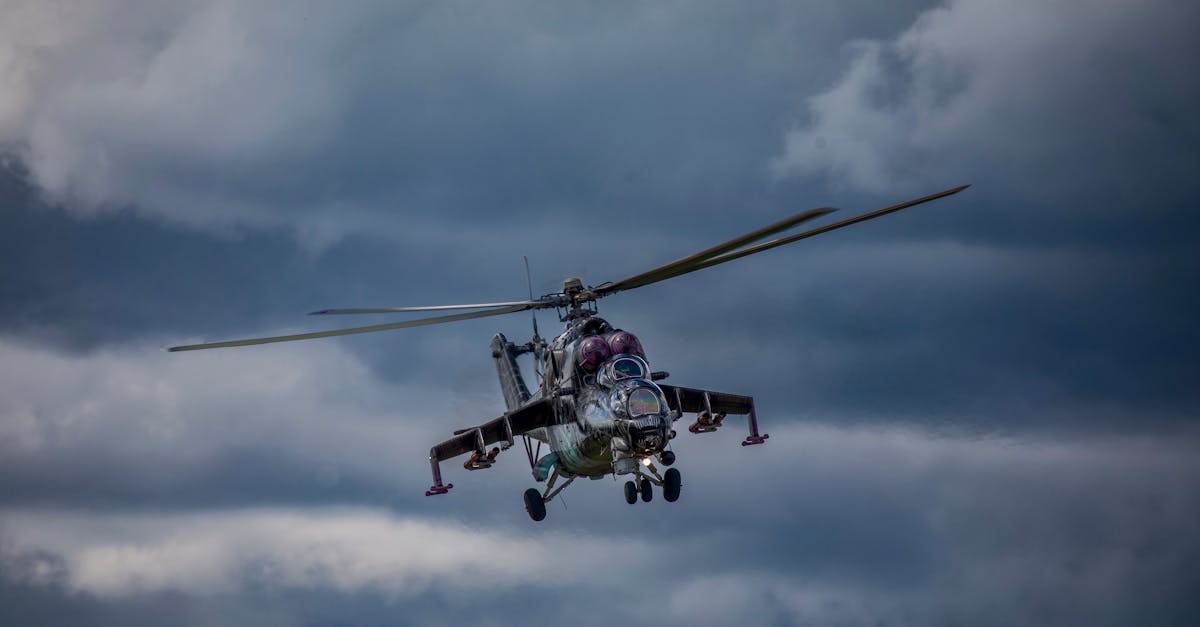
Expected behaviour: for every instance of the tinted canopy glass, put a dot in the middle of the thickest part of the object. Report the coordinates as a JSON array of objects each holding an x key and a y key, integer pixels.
[
  {"x": 628, "y": 369},
  {"x": 643, "y": 402}
]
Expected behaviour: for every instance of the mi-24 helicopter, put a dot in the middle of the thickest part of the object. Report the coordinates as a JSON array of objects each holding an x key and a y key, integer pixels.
[{"x": 598, "y": 406}]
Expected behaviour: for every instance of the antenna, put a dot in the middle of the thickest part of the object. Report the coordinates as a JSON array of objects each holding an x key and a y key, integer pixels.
[
  {"x": 529, "y": 284},
  {"x": 537, "y": 339}
]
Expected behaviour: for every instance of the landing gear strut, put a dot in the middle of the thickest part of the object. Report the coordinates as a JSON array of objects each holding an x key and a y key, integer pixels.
[
  {"x": 535, "y": 502},
  {"x": 643, "y": 485}
]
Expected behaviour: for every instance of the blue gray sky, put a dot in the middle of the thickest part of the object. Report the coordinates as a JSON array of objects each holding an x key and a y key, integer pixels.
[{"x": 983, "y": 410}]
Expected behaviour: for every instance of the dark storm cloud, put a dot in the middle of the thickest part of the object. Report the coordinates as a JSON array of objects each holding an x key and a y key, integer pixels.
[
  {"x": 875, "y": 525},
  {"x": 822, "y": 524},
  {"x": 1055, "y": 291},
  {"x": 943, "y": 334},
  {"x": 239, "y": 166},
  {"x": 918, "y": 329},
  {"x": 222, "y": 114},
  {"x": 565, "y": 119},
  {"x": 1078, "y": 129},
  {"x": 134, "y": 428}
]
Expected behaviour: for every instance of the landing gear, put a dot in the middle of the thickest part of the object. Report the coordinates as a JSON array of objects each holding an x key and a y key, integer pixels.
[
  {"x": 671, "y": 484},
  {"x": 667, "y": 458},
  {"x": 535, "y": 505},
  {"x": 643, "y": 483},
  {"x": 535, "y": 502}
]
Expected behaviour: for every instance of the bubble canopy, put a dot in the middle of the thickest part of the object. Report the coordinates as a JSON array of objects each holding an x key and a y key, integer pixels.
[
  {"x": 636, "y": 398},
  {"x": 628, "y": 369},
  {"x": 642, "y": 402},
  {"x": 623, "y": 368}
]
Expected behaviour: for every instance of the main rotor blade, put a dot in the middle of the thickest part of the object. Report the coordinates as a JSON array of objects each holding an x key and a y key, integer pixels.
[
  {"x": 376, "y": 327},
  {"x": 767, "y": 245},
  {"x": 671, "y": 269},
  {"x": 700, "y": 261},
  {"x": 371, "y": 310},
  {"x": 758, "y": 248}
]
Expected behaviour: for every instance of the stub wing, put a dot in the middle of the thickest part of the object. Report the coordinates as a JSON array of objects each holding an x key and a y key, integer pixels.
[
  {"x": 711, "y": 408},
  {"x": 535, "y": 415},
  {"x": 520, "y": 421}
]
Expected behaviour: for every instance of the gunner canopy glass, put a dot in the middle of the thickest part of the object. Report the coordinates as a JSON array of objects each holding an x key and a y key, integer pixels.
[
  {"x": 643, "y": 402},
  {"x": 628, "y": 369}
]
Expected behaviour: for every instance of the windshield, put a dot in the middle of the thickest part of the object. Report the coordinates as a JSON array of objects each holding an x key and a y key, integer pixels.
[
  {"x": 622, "y": 368},
  {"x": 642, "y": 402},
  {"x": 628, "y": 369}
]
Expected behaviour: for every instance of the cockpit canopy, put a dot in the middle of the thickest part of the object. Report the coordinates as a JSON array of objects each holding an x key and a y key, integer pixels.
[
  {"x": 643, "y": 402},
  {"x": 622, "y": 368},
  {"x": 636, "y": 398}
]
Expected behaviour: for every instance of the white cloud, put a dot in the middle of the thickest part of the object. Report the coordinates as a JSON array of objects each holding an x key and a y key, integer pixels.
[
  {"x": 347, "y": 550},
  {"x": 161, "y": 107},
  {"x": 1031, "y": 91},
  {"x": 823, "y": 524},
  {"x": 182, "y": 411},
  {"x": 388, "y": 116}
]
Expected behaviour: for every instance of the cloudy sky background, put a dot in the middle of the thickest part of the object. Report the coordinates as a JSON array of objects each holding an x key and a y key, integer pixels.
[{"x": 983, "y": 411}]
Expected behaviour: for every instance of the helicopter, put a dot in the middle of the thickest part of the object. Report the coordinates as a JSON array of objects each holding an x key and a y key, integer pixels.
[{"x": 598, "y": 406}]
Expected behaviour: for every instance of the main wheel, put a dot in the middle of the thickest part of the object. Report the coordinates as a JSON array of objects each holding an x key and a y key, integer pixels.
[
  {"x": 647, "y": 490},
  {"x": 534, "y": 504},
  {"x": 671, "y": 483},
  {"x": 631, "y": 492}
]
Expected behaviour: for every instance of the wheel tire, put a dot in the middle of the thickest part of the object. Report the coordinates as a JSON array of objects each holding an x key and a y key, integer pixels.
[
  {"x": 671, "y": 483},
  {"x": 631, "y": 492},
  {"x": 534, "y": 504},
  {"x": 667, "y": 458},
  {"x": 647, "y": 490}
]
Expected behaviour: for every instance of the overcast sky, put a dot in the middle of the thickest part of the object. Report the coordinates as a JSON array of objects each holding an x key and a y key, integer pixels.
[{"x": 982, "y": 411}]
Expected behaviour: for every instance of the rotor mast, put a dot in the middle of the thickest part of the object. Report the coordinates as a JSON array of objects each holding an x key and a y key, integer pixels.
[{"x": 576, "y": 300}]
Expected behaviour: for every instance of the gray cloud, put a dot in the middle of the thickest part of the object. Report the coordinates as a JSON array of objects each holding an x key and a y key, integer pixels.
[
  {"x": 981, "y": 409},
  {"x": 388, "y": 119},
  {"x": 347, "y": 551},
  {"x": 823, "y": 524},
  {"x": 141, "y": 428},
  {"x": 873, "y": 525},
  {"x": 1062, "y": 101}
]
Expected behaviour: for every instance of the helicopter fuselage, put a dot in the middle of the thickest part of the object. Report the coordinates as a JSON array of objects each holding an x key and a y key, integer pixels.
[{"x": 609, "y": 414}]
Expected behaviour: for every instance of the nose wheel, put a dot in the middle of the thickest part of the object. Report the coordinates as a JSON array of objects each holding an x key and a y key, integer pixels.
[{"x": 643, "y": 487}]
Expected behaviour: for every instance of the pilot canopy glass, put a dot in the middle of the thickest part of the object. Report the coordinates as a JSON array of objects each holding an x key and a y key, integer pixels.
[{"x": 643, "y": 402}]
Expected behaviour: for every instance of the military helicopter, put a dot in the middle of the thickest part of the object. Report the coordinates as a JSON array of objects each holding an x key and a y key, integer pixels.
[{"x": 598, "y": 406}]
